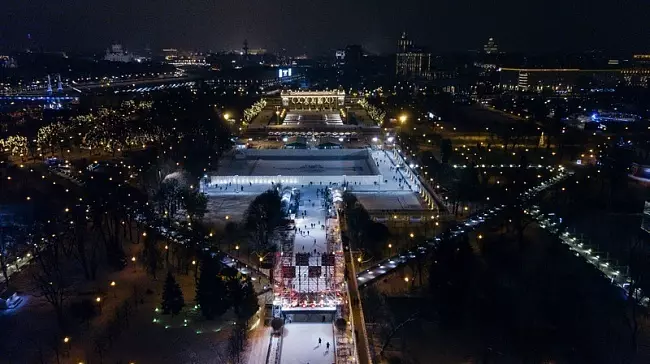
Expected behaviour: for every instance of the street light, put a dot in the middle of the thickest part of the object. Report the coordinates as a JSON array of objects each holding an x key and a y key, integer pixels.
[{"x": 403, "y": 118}]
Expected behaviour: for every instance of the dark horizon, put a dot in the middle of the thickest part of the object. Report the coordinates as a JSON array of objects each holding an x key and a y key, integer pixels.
[{"x": 301, "y": 27}]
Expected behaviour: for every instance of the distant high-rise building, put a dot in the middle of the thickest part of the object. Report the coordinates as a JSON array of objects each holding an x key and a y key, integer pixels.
[
  {"x": 7, "y": 62},
  {"x": 404, "y": 44},
  {"x": 491, "y": 47},
  {"x": 411, "y": 62},
  {"x": 245, "y": 49},
  {"x": 353, "y": 55}
]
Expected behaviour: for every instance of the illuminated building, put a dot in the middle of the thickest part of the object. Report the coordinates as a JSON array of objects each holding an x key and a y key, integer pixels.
[
  {"x": 566, "y": 80},
  {"x": 180, "y": 58},
  {"x": 259, "y": 78},
  {"x": 490, "y": 47},
  {"x": 117, "y": 54},
  {"x": 411, "y": 62}
]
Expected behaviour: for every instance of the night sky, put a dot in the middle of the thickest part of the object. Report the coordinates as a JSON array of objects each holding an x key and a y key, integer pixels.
[{"x": 318, "y": 26}]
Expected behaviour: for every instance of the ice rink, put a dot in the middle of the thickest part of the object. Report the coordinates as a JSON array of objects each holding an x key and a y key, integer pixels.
[
  {"x": 300, "y": 344},
  {"x": 310, "y": 238},
  {"x": 389, "y": 200},
  {"x": 393, "y": 192}
]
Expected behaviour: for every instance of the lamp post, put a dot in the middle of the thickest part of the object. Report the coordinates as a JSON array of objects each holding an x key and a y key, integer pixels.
[
  {"x": 237, "y": 251},
  {"x": 66, "y": 342}
]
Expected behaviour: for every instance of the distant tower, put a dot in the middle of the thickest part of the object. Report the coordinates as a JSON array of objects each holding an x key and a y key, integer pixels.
[
  {"x": 542, "y": 141},
  {"x": 404, "y": 44},
  {"x": 491, "y": 47},
  {"x": 49, "y": 84},
  {"x": 245, "y": 48},
  {"x": 59, "y": 85}
]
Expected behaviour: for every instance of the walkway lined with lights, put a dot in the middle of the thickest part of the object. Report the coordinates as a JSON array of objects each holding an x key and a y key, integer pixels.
[
  {"x": 389, "y": 265},
  {"x": 550, "y": 224}
]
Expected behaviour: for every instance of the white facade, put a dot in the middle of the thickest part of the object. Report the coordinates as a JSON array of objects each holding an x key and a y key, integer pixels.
[{"x": 117, "y": 54}]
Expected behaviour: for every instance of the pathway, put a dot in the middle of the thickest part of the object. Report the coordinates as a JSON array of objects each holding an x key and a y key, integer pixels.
[{"x": 389, "y": 265}]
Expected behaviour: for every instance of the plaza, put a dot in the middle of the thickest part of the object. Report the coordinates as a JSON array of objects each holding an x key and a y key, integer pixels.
[{"x": 309, "y": 289}]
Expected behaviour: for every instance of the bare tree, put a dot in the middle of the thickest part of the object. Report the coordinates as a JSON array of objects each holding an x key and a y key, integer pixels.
[
  {"x": 237, "y": 344},
  {"x": 10, "y": 238},
  {"x": 639, "y": 286},
  {"x": 263, "y": 217},
  {"x": 49, "y": 279},
  {"x": 82, "y": 249}
]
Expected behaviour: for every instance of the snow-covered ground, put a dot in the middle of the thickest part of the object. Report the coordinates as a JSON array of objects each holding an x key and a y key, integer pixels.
[
  {"x": 258, "y": 345},
  {"x": 393, "y": 200},
  {"x": 232, "y": 200},
  {"x": 296, "y": 167},
  {"x": 300, "y": 344}
]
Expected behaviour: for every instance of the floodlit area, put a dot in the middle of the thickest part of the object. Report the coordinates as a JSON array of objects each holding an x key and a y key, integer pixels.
[
  {"x": 312, "y": 282},
  {"x": 311, "y": 118},
  {"x": 273, "y": 163},
  {"x": 300, "y": 344},
  {"x": 303, "y": 167},
  {"x": 374, "y": 175}
]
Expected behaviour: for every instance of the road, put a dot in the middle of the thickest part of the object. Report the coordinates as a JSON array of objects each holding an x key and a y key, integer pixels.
[{"x": 358, "y": 321}]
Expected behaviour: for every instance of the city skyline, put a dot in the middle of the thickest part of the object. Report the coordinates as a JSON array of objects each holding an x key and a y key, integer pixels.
[{"x": 301, "y": 27}]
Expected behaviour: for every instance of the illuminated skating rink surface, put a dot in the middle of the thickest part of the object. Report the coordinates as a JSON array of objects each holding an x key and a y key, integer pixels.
[{"x": 300, "y": 344}]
